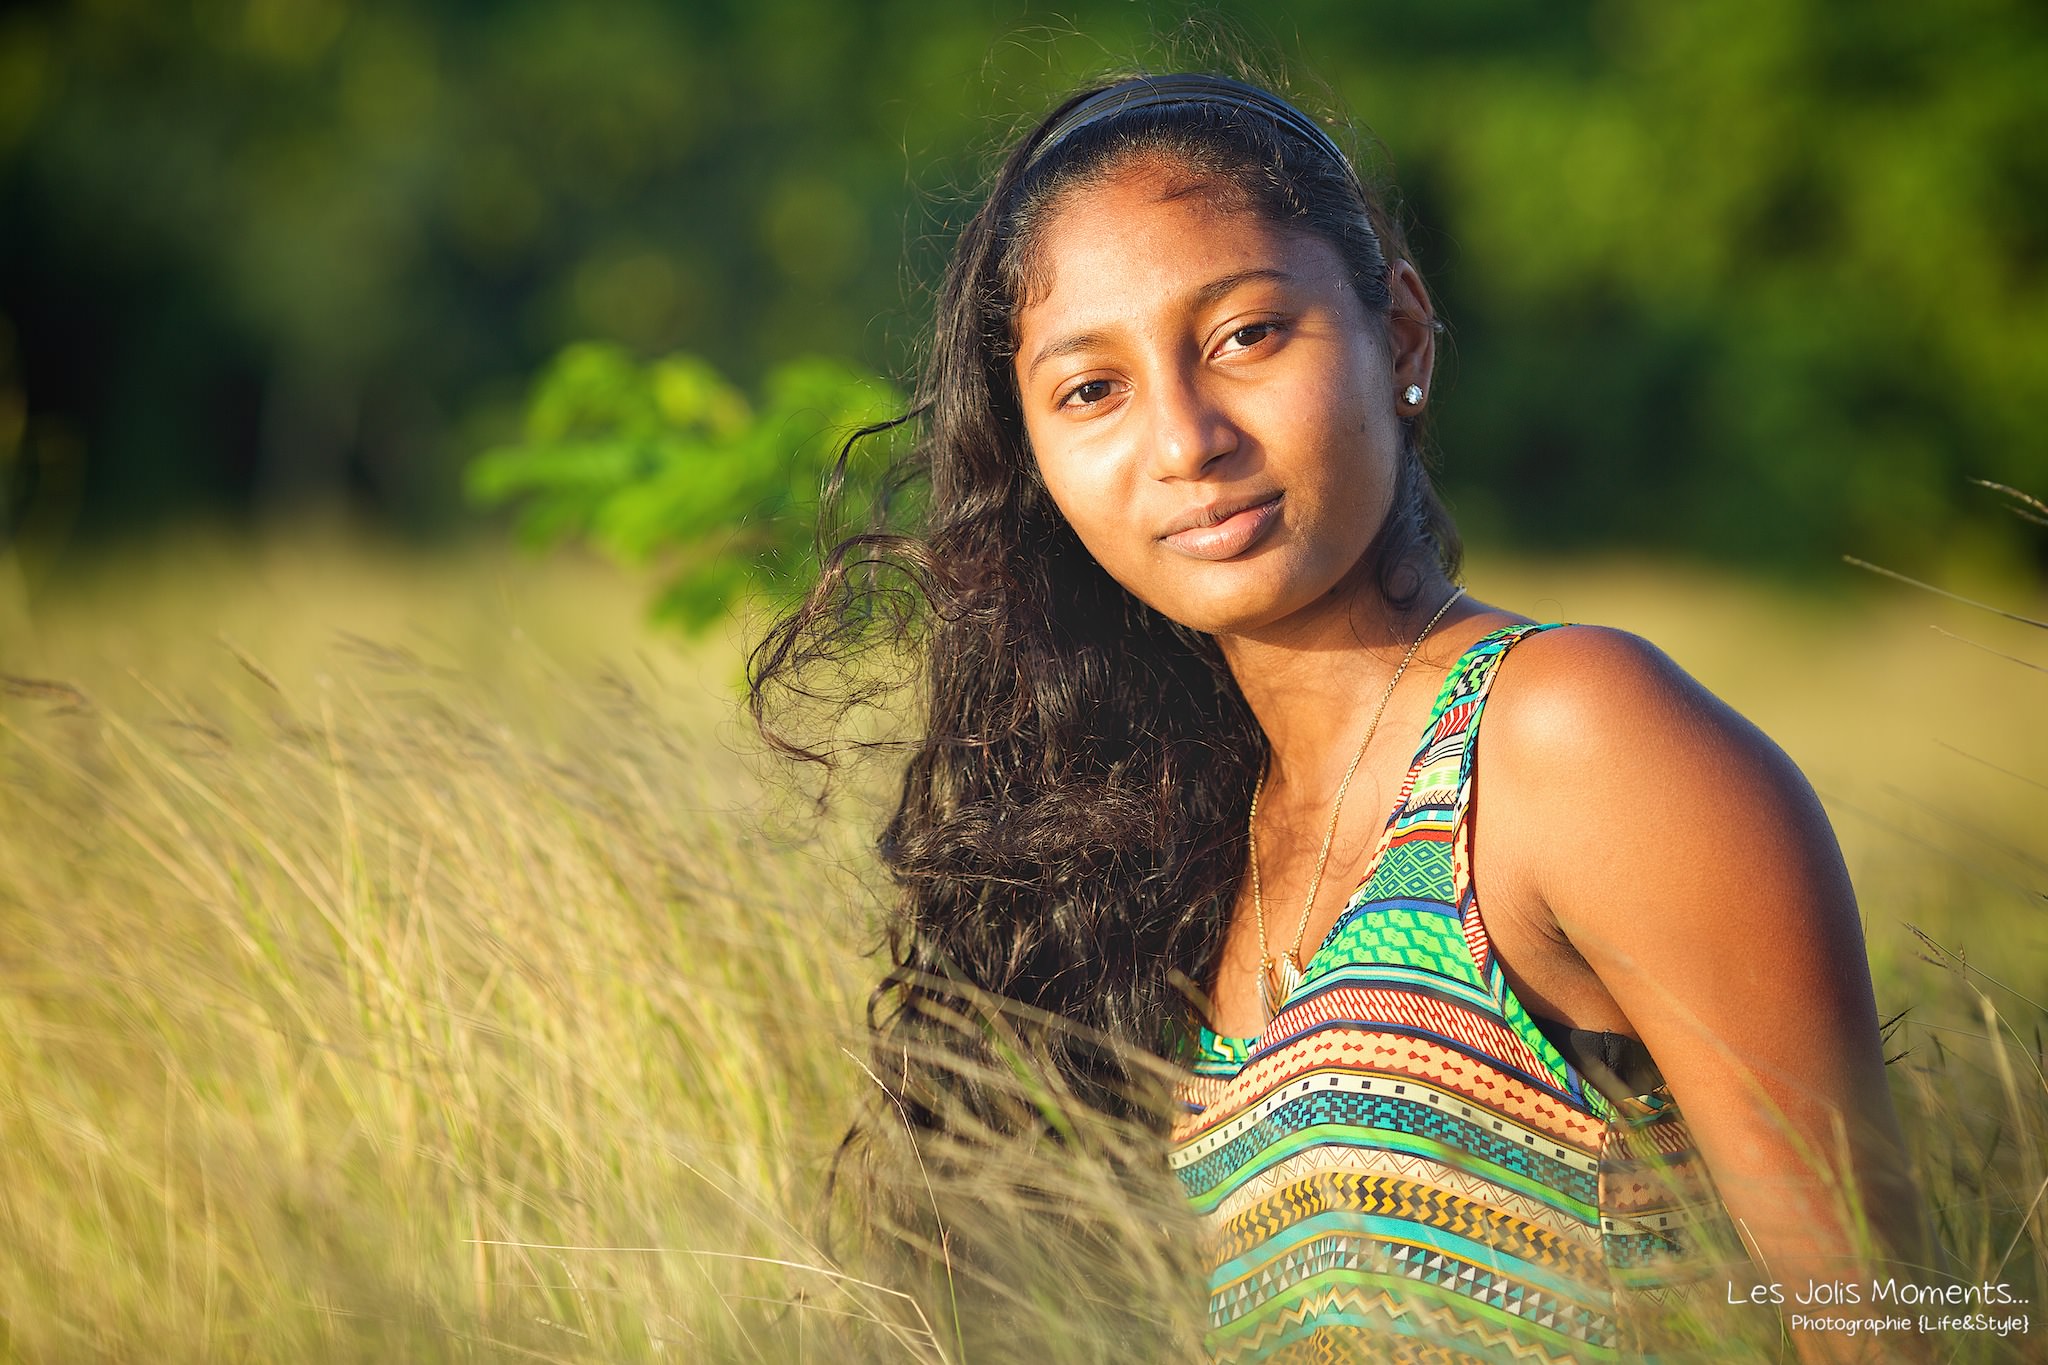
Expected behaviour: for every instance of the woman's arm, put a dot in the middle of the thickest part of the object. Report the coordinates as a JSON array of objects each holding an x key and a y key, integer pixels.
[{"x": 1689, "y": 863}]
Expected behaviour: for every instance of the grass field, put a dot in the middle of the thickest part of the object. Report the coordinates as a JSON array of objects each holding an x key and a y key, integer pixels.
[{"x": 409, "y": 957}]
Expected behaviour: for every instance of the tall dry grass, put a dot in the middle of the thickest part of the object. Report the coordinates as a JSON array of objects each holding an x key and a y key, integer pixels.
[{"x": 384, "y": 975}]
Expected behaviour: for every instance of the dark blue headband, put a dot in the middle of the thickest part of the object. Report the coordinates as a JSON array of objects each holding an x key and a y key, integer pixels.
[{"x": 1151, "y": 92}]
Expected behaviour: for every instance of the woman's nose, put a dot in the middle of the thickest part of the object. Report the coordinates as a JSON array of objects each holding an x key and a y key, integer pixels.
[{"x": 1190, "y": 429}]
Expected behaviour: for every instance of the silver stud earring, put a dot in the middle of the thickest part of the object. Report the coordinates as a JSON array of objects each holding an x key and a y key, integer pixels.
[{"x": 1412, "y": 395}]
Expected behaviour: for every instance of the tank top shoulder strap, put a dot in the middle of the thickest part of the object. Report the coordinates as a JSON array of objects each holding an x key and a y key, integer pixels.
[
  {"x": 1617, "y": 1066},
  {"x": 1451, "y": 758},
  {"x": 1443, "y": 770},
  {"x": 1453, "y": 747}
]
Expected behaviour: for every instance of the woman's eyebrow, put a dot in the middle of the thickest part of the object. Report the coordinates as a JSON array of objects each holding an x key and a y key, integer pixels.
[
  {"x": 1059, "y": 346},
  {"x": 1200, "y": 297},
  {"x": 1217, "y": 289}
]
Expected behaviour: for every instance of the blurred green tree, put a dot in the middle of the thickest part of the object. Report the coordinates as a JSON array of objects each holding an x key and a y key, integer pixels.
[
  {"x": 1758, "y": 279},
  {"x": 669, "y": 460},
  {"x": 1764, "y": 278}
]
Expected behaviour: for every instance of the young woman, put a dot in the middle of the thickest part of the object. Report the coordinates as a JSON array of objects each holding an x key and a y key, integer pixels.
[{"x": 1495, "y": 1038}]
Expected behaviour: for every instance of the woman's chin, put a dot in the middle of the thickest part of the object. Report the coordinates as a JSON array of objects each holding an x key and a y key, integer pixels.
[{"x": 1244, "y": 613}]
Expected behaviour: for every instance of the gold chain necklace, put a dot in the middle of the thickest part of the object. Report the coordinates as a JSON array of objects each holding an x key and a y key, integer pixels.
[{"x": 1278, "y": 977}]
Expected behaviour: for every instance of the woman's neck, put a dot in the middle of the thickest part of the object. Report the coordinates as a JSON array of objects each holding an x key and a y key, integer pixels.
[{"x": 1314, "y": 681}]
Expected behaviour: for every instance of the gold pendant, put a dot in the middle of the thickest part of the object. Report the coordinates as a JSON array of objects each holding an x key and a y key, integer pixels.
[{"x": 1289, "y": 976}]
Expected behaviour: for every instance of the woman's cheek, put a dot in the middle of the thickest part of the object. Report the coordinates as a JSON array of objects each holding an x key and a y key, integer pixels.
[
  {"x": 1085, "y": 502},
  {"x": 1117, "y": 544}
]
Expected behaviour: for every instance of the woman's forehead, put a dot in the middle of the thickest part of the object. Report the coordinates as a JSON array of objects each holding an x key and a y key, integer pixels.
[
  {"x": 1153, "y": 237},
  {"x": 1127, "y": 189}
]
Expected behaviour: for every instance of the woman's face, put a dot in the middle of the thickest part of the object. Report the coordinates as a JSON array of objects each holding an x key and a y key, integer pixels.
[{"x": 1208, "y": 401}]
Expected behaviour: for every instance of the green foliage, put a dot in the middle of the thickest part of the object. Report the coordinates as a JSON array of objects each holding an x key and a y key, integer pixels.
[
  {"x": 1740, "y": 278},
  {"x": 1745, "y": 277},
  {"x": 669, "y": 459}
]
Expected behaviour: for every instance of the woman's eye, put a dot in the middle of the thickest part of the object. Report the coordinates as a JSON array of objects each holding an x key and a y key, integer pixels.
[
  {"x": 1087, "y": 394},
  {"x": 1253, "y": 334}
]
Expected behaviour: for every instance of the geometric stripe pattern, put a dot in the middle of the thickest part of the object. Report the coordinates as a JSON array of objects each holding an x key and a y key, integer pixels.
[
  {"x": 1390, "y": 1197},
  {"x": 1402, "y": 1166},
  {"x": 1362, "y": 1258}
]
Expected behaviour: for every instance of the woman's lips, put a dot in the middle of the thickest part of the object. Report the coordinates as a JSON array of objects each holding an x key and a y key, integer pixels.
[{"x": 1229, "y": 537}]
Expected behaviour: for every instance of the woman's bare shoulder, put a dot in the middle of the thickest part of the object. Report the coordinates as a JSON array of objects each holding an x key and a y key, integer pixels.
[
  {"x": 1624, "y": 772},
  {"x": 1579, "y": 693},
  {"x": 1690, "y": 864}
]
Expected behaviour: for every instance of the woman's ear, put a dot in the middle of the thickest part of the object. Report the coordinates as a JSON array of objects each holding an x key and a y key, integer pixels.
[{"x": 1411, "y": 337}]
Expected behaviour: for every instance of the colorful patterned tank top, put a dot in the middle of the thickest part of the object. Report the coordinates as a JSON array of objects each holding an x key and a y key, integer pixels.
[{"x": 1404, "y": 1167}]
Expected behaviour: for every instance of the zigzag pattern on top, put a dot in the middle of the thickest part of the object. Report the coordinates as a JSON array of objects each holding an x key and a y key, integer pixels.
[
  {"x": 1421, "y": 1171},
  {"x": 1391, "y": 1197},
  {"x": 1359, "y": 1323}
]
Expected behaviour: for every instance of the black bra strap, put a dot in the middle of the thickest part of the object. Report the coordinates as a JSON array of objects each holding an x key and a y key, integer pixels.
[{"x": 1618, "y": 1066}]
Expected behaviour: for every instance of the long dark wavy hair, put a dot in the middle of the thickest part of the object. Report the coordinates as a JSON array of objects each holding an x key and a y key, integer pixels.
[{"x": 1071, "y": 827}]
